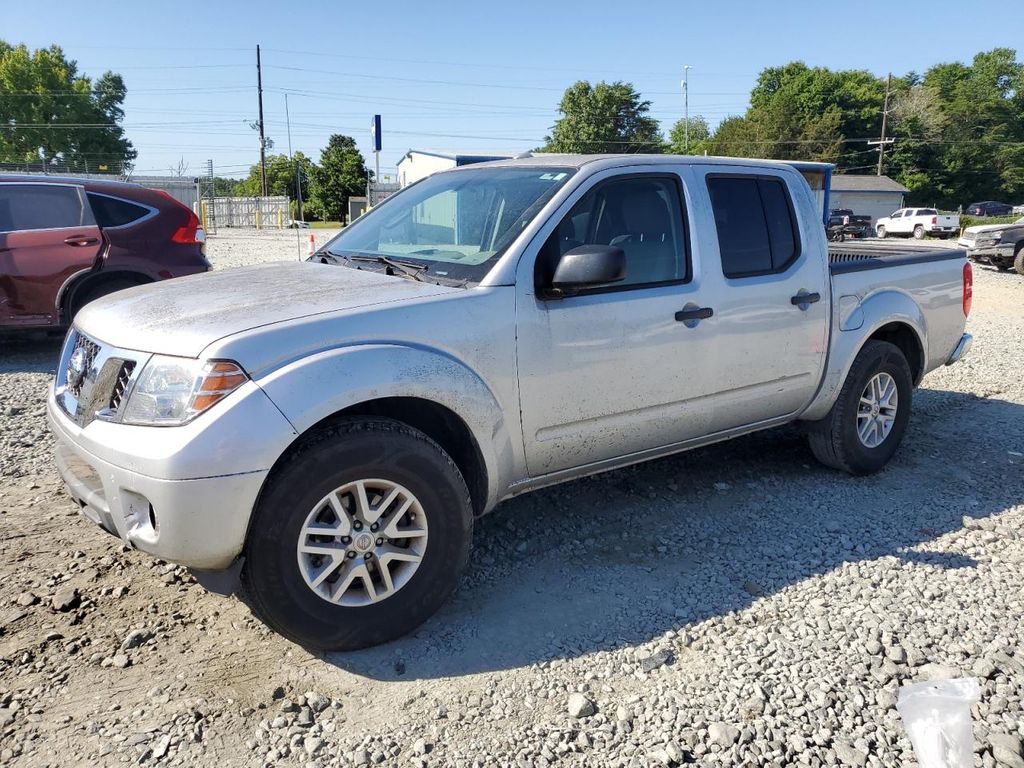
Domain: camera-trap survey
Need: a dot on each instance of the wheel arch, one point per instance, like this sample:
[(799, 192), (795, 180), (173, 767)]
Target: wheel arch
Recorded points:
[(83, 281), (422, 388), (890, 316)]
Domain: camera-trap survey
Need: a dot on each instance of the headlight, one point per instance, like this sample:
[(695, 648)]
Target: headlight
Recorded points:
[(174, 390)]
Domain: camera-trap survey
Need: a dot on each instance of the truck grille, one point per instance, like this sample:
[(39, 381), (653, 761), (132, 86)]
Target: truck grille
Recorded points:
[(124, 375), (93, 379)]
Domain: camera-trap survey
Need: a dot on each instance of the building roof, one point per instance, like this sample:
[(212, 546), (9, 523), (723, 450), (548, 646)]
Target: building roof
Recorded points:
[(849, 182), (459, 157)]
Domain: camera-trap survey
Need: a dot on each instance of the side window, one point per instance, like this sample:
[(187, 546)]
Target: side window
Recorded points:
[(113, 211), (42, 206), (641, 215), (757, 232), (926, 212)]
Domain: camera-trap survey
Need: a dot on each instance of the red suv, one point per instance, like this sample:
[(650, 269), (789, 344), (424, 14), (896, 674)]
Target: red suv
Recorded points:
[(65, 242)]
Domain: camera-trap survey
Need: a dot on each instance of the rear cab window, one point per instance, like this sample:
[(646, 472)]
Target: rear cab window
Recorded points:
[(43, 206), (114, 211), (756, 224)]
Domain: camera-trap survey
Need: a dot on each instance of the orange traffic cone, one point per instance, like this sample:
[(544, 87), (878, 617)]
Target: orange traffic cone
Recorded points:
[(312, 245)]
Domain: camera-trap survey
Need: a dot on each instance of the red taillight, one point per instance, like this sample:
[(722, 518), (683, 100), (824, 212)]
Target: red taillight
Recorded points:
[(189, 233), (968, 288), (935, 219)]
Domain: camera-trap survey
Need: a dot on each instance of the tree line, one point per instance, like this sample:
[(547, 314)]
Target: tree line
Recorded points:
[(326, 186), (957, 129)]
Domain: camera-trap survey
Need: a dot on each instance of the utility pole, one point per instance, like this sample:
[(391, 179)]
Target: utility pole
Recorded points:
[(298, 173), (263, 140), (885, 114), (686, 109)]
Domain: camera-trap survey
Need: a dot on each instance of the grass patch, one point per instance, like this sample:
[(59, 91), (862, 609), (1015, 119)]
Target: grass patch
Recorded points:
[(325, 225)]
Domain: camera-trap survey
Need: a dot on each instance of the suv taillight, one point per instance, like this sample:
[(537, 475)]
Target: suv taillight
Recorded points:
[(190, 233), (935, 219), (968, 288)]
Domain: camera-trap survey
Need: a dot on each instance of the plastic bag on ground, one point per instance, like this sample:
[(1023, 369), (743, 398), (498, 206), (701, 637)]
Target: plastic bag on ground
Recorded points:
[(937, 716)]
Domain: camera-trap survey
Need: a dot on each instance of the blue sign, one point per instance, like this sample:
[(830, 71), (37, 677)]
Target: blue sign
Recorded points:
[(375, 133)]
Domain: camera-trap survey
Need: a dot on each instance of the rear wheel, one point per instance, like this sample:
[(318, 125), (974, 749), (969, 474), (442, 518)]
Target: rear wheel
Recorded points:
[(90, 293), (880, 231), (1018, 260), (359, 537), (866, 424), (918, 232)]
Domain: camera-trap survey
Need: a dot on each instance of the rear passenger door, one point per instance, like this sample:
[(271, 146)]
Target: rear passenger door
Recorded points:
[(772, 302), (47, 235)]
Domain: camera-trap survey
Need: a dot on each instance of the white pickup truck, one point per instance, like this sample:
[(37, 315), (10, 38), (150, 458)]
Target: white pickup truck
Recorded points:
[(328, 430), (918, 222)]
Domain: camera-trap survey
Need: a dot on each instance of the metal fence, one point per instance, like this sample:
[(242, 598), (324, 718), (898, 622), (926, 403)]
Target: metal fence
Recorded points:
[(253, 212)]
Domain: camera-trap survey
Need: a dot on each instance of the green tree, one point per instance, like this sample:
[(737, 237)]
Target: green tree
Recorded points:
[(604, 118), (281, 177), (699, 134), (341, 174), (52, 114), (800, 112)]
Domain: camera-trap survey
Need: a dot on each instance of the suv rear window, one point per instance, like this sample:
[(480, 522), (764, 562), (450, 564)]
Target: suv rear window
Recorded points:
[(42, 206), (757, 232), (926, 212), (113, 211)]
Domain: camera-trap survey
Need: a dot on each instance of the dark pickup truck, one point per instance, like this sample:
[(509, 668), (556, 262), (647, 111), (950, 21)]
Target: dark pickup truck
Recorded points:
[(848, 224)]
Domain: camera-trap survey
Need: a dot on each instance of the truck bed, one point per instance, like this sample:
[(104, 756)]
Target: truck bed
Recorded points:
[(850, 257)]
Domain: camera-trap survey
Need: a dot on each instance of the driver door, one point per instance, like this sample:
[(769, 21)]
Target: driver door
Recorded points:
[(614, 370)]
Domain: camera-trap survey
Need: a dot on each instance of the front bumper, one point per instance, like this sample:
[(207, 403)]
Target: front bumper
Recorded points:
[(961, 350), (991, 253), (141, 483)]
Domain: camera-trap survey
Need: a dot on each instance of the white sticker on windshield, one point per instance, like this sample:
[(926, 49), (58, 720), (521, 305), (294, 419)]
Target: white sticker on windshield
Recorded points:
[(553, 176)]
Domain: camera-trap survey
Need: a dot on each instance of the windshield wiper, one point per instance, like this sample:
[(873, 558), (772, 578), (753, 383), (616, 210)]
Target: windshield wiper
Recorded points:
[(404, 268)]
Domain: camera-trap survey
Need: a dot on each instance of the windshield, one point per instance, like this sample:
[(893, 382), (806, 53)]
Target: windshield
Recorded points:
[(454, 225)]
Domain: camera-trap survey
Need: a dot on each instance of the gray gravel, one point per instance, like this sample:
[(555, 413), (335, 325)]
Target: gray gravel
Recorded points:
[(738, 605)]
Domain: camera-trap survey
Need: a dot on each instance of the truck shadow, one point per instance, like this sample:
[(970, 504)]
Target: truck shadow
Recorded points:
[(620, 559), (29, 351)]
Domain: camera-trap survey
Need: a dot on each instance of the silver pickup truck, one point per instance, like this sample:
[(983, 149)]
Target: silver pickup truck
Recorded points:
[(328, 430)]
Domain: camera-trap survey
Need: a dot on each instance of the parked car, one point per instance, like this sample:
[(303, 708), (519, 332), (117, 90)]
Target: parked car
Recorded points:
[(1018, 210), (853, 225), (1000, 245), (918, 222), (66, 242), (330, 429), (989, 208)]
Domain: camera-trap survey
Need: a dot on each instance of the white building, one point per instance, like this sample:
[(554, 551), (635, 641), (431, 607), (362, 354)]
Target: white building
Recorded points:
[(873, 196), (417, 164)]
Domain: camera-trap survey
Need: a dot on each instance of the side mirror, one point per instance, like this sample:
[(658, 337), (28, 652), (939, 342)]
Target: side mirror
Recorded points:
[(587, 266)]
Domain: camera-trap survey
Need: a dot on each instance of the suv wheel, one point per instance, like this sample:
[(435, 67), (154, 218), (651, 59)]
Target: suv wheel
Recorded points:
[(918, 232), (358, 537), (1018, 259), (90, 293), (880, 231), (866, 424)]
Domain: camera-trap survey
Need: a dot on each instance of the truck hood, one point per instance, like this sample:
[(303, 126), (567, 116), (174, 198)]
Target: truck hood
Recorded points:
[(990, 228), (185, 315)]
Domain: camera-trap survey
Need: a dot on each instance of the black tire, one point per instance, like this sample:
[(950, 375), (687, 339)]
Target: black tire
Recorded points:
[(880, 231), (834, 440), (919, 232), (1018, 260), (90, 293), (358, 448)]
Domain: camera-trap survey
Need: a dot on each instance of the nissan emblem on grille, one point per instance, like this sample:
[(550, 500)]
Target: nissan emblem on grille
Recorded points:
[(77, 367)]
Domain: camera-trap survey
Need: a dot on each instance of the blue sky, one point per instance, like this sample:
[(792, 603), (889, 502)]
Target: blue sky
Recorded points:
[(466, 75)]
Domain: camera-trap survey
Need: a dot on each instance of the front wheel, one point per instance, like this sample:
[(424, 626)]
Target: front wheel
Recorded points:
[(880, 231), (866, 424), (1018, 260), (358, 537)]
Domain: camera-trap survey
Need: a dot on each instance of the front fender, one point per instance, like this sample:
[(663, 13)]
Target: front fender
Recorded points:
[(316, 387), (851, 329)]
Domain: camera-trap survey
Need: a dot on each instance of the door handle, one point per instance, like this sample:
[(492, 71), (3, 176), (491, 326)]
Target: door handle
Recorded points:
[(805, 299), (79, 240), (698, 313)]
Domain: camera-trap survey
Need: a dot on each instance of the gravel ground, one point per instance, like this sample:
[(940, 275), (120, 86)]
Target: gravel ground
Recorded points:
[(736, 605)]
